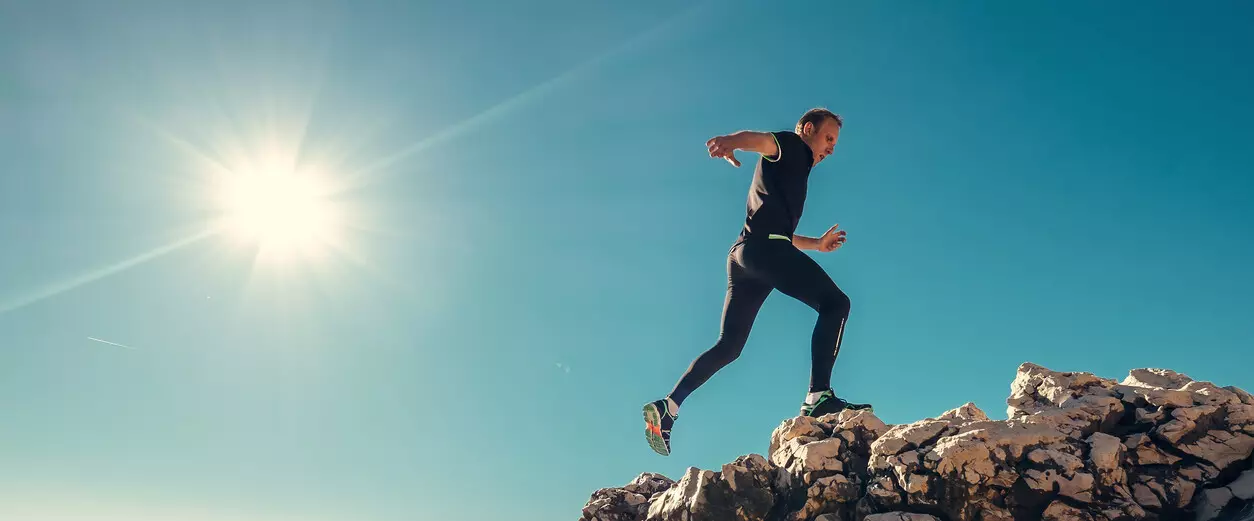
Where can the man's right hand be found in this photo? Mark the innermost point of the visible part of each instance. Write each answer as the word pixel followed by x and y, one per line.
pixel 760 142
pixel 724 147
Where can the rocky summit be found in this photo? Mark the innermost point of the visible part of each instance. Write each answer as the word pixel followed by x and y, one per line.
pixel 1156 446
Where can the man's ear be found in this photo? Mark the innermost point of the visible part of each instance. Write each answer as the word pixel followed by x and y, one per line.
pixel 807 129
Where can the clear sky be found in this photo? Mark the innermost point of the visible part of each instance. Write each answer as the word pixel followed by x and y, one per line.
pixel 526 237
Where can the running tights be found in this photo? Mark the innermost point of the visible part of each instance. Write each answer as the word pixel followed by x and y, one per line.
pixel 755 267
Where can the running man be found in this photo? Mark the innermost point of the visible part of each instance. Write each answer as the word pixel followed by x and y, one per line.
pixel 768 255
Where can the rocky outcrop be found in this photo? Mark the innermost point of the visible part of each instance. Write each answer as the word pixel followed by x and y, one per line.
pixel 824 461
pixel 1156 446
pixel 628 503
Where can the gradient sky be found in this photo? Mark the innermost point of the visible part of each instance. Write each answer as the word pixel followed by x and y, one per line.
pixel 535 235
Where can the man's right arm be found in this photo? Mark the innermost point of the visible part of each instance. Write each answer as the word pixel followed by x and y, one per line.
pixel 761 142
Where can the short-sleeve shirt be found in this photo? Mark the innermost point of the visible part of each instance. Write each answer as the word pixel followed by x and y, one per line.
pixel 777 194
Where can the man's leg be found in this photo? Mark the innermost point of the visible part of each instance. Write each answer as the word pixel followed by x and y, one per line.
pixel 740 308
pixel 795 274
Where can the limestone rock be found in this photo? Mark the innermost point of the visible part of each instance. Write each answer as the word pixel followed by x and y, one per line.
pixel 1076 403
pixel 648 484
pixel 858 428
pixel 898 516
pixel 801 428
pixel 1143 451
pixel 628 503
pixel 743 491
pixel 1157 445
pixel 1235 499
pixel 1060 511
pixel 1106 457
pixel 908 437
pixel 615 504
pixel 825 460
pixel 968 413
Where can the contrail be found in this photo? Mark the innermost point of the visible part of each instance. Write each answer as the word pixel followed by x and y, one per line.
pixel 56 289
pixel 111 343
pixel 527 95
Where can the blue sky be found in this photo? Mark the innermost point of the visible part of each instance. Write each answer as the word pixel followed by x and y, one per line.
pixel 531 238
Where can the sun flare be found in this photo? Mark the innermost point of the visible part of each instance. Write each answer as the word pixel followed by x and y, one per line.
pixel 284 212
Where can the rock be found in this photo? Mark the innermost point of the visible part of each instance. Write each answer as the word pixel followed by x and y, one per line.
pixel 1060 511
pixel 816 456
pixel 648 484
pixel 832 494
pixel 859 429
pixel 751 480
pixel 897 516
pixel 696 496
pixel 1241 513
pixel 825 460
pixel 1182 390
pixel 628 503
pixel 1106 458
pixel 1243 487
pixel 802 427
pixel 1157 445
pixel 1246 398
pixel 614 504
pixel 965 469
pixel 908 437
pixel 743 491
pixel 1236 498
pixel 1143 451
pixel 1037 389
pixel 1170 493
pixel 1075 403
pixel 968 413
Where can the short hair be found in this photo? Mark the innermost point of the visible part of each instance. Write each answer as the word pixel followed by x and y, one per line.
pixel 816 116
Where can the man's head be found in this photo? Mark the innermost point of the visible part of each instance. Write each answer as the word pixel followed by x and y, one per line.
pixel 820 128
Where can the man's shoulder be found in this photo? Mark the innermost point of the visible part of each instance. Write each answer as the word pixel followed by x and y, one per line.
pixel 789 140
pixel 787 134
pixel 790 146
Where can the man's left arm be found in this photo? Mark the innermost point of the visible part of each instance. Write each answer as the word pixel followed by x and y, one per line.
pixel 803 242
pixel 830 241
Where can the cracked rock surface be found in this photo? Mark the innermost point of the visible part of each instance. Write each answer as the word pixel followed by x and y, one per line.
pixel 1157 445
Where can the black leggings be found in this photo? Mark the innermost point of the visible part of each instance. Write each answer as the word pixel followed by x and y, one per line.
pixel 754 268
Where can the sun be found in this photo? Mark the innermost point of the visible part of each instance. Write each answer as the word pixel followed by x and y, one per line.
pixel 285 212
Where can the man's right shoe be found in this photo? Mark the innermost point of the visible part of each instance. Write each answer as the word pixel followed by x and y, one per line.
pixel 828 403
pixel 657 426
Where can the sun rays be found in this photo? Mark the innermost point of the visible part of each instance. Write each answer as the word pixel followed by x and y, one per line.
pixel 531 94
pixel 276 196
pixel 93 275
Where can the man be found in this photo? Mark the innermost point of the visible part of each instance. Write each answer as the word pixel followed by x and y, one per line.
pixel 767 256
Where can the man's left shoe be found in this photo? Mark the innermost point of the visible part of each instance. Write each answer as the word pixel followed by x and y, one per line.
pixel 658 421
pixel 828 403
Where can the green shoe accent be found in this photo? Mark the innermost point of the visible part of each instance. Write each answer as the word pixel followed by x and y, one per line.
pixel 829 403
pixel 807 409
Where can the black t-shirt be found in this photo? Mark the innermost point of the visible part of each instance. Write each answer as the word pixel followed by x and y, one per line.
pixel 778 192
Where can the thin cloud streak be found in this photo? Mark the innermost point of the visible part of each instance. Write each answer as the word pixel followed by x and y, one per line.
pixel 111 343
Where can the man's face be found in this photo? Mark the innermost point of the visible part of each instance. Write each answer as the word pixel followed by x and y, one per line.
pixel 822 139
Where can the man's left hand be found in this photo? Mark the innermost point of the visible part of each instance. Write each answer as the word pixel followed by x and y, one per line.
pixel 831 240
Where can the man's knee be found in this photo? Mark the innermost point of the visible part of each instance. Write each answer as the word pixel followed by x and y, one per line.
pixel 728 348
pixel 836 302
